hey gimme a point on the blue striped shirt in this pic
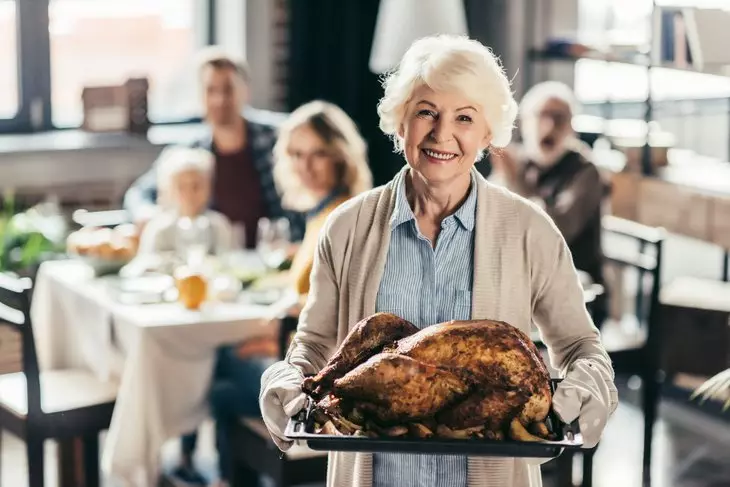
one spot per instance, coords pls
(426, 285)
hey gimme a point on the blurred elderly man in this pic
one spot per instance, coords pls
(243, 182)
(553, 169)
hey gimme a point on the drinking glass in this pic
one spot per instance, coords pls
(193, 239)
(273, 240)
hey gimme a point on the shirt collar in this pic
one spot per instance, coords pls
(467, 212)
(465, 215)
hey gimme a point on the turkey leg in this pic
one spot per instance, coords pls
(367, 338)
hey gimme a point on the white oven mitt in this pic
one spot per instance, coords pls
(281, 398)
(587, 392)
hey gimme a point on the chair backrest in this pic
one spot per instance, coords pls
(646, 259)
(15, 312)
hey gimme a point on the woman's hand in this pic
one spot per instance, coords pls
(281, 398)
(580, 395)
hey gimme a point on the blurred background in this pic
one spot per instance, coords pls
(92, 91)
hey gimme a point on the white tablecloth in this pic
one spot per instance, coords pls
(161, 355)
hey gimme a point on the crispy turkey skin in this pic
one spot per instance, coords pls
(459, 374)
(399, 388)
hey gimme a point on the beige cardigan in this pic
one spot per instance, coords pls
(522, 272)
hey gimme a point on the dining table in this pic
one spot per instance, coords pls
(160, 355)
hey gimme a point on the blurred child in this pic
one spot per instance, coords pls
(185, 181)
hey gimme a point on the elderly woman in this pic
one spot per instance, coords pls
(437, 243)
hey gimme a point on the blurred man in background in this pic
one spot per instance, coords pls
(553, 169)
(243, 187)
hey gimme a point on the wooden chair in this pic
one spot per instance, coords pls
(643, 358)
(255, 453)
(58, 404)
(696, 313)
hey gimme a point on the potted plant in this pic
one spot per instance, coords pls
(29, 237)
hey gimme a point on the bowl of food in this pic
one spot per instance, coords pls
(105, 250)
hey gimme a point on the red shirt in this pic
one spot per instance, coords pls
(237, 191)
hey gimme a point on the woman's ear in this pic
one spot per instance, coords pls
(487, 141)
(401, 131)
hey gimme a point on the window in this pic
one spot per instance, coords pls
(101, 42)
(603, 23)
(8, 60)
(67, 45)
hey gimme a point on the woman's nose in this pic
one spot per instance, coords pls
(306, 162)
(441, 131)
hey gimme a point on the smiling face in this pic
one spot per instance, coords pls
(313, 162)
(443, 134)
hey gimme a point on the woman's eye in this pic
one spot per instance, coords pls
(427, 113)
(465, 118)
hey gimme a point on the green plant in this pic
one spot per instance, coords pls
(24, 237)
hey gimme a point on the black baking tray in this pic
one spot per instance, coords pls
(300, 429)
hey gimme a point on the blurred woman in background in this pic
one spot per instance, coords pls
(320, 162)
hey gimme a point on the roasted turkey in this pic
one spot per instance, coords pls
(482, 377)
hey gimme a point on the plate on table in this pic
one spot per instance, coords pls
(145, 289)
(301, 427)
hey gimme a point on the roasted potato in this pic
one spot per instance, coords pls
(518, 432)
(419, 430)
(539, 429)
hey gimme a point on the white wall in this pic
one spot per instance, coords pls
(80, 175)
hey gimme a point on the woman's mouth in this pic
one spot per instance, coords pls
(438, 157)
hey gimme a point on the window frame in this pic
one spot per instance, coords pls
(34, 66)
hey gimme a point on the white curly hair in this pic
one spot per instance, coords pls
(454, 64)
